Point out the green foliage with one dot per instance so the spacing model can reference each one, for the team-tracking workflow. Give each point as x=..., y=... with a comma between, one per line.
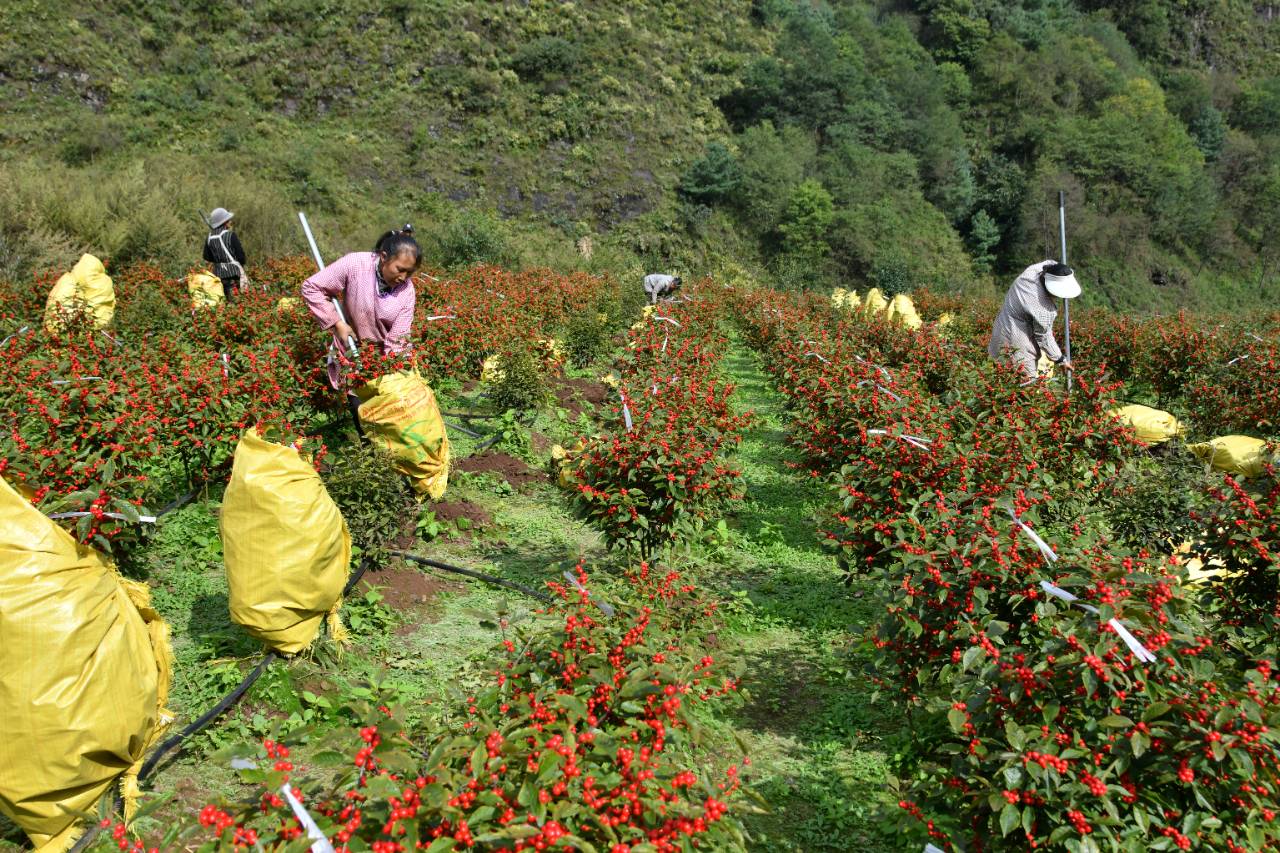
x=808, y=218
x=472, y=237
x=984, y=236
x=520, y=385
x=586, y=338
x=714, y=178
x=548, y=56
x=376, y=502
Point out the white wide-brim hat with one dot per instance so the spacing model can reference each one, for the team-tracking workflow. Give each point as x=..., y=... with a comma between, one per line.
x=1060, y=281
x=220, y=216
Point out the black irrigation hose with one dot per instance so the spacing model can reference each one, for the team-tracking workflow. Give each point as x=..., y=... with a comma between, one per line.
x=462, y=429
x=470, y=416
x=471, y=573
x=493, y=439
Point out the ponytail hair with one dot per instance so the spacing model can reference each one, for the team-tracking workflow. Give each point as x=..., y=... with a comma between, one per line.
x=393, y=243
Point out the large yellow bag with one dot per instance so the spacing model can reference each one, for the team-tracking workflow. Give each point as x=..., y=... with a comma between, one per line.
x=87, y=284
x=400, y=414
x=84, y=676
x=903, y=311
x=874, y=302
x=1234, y=454
x=852, y=301
x=285, y=545
x=1152, y=426
x=205, y=289
x=838, y=297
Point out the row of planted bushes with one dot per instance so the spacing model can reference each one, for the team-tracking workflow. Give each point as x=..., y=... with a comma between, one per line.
x=583, y=739
x=1219, y=372
x=1035, y=723
x=660, y=465
x=117, y=422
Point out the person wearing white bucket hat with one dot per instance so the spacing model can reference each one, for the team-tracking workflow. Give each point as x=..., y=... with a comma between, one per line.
x=222, y=249
x=1023, y=330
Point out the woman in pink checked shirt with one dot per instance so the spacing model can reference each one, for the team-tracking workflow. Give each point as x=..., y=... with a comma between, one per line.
x=376, y=292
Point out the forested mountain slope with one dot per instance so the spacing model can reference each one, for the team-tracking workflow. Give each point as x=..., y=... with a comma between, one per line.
x=902, y=144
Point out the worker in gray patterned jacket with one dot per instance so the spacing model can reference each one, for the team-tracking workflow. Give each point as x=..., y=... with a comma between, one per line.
x=659, y=286
x=1023, y=329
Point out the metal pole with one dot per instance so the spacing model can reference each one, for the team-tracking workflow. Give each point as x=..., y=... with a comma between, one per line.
x=337, y=306
x=1066, y=303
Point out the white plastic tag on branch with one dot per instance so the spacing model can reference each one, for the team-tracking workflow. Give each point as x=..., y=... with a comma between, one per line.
x=885, y=390
x=21, y=331
x=1139, y=651
x=77, y=379
x=914, y=440
x=664, y=342
x=876, y=366
x=435, y=317
x=812, y=354
x=226, y=366
x=143, y=519
x=665, y=320
x=1039, y=543
x=626, y=411
x=605, y=607
x=113, y=340
x=314, y=832
x=1237, y=358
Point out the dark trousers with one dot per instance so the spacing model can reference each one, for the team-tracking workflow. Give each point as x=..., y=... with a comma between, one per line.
x=229, y=286
x=353, y=406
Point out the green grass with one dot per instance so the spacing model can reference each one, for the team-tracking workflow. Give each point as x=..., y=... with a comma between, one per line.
x=816, y=739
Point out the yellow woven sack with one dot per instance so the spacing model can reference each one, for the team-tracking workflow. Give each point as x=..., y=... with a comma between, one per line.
x=84, y=676
x=87, y=283
x=874, y=302
x=400, y=414
x=205, y=289
x=1152, y=426
x=288, y=303
x=838, y=296
x=903, y=310
x=285, y=545
x=1234, y=454
x=852, y=301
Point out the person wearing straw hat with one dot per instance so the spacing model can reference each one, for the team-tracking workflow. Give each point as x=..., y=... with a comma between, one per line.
x=222, y=249
x=1023, y=330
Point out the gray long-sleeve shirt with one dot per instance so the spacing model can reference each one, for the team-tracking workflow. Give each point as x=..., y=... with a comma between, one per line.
x=657, y=284
x=1025, y=322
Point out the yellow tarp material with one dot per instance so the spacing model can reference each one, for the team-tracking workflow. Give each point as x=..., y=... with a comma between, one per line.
x=1152, y=426
x=903, y=311
x=205, y=289
x=285, y=545
x=87, y=284
x=400, y=414
x=84, y=676
x=1234, y=454
x=874, y=302
x=838, y=297
x=288, y=303
x=491, y=371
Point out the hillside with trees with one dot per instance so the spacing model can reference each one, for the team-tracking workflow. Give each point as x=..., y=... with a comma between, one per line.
x=844, y=143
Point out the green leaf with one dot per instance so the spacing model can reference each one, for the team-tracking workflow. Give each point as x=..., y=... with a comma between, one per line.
x=1009, y=818
x=1115, y=721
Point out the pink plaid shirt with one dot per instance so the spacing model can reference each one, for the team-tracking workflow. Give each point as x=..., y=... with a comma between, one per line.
x=386, y=318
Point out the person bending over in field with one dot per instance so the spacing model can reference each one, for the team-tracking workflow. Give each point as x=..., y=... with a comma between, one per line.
x=1023, y=330
x=222, y=249
x=658, y=286
x=376, y=292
